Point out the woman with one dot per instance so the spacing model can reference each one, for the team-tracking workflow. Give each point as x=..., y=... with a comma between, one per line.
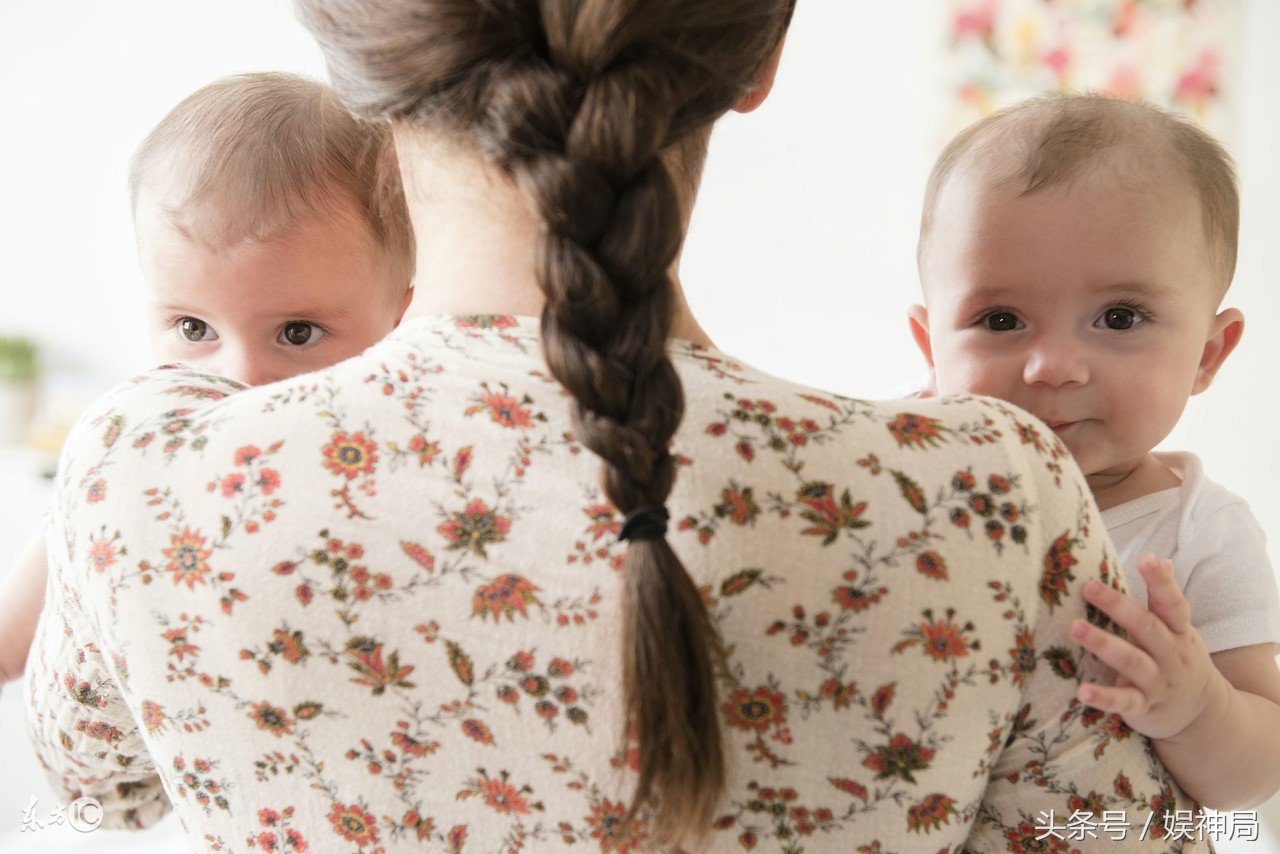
x=502, y=583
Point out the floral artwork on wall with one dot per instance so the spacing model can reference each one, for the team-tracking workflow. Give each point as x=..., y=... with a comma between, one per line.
x=1169, y=52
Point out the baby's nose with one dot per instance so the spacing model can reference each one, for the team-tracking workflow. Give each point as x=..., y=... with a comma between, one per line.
x=1057, y=362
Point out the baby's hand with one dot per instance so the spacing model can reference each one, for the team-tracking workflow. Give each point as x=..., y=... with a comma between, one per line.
x=1166, y=675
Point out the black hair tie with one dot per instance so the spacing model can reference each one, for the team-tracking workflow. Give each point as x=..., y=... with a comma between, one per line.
x=646, y=522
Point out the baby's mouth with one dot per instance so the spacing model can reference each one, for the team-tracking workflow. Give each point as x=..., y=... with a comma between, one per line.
x=1059, y=426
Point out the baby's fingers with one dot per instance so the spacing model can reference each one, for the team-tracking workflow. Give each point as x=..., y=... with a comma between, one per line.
x=1164, y=597
x=1120, y=699
x=1124, y=658
x=1143, y=627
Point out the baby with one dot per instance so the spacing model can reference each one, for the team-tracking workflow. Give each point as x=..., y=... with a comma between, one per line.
x=1073, y=254
x=273, y=239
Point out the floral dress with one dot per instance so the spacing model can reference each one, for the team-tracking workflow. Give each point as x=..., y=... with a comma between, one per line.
x=375, y=608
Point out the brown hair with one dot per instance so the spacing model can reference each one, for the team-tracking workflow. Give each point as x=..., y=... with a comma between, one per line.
x=577, y=100
x=253, y=153
x=1064, y=133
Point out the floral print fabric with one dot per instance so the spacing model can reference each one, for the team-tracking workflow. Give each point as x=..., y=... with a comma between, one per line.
x=376, y=609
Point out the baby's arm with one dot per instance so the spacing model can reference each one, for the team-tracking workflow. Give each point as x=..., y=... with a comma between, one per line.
x=1214, y=719
x=21, y=598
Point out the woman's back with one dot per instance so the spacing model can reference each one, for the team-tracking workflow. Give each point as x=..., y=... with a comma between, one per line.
x=387, y=601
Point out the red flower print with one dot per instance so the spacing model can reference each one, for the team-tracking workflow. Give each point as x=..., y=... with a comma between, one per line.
x=153, y=717
x=353, y=824
x=477, y=731
x=899, y=758
x=102, y=555
x=943, y=640
x=486, y=321
x=932, y=565
x=179, y=646
x=364, y=656
x=1124, y=788
x=849, y=787
x=461, y=462
x=1057, y=570
x=756, y=710
x=1062, y=662
x=426, y=451
x=738, y=506
x=828, y=517
x=502, y=796
x=1029, y=839
x=288, y=645
x=521, y=661
x=840, y=695
x=505, y=597
x=475, y=527
x=560, y=667
x=604, y=522
x=421, y=827
x=419, y=554
x=883, y=697
x=931, y=813
x=268, y=481
x=96, y=491
x=350, y=456
x=410, y=746
x=247, y=454
x=506, y=410
x=232, y=485
x=187, y=558
x=100, y=730
x=1023, y=657
x=273, y=720
x=605, y=822
x=909, y=430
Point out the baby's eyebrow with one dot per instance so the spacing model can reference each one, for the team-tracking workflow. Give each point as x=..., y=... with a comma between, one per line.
x=1142, y=289
x=317, y=312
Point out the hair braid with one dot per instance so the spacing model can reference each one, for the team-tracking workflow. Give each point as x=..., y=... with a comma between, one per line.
x=612, y=230
x=578, y=100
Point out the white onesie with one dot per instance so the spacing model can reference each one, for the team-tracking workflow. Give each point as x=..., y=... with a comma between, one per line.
x=1218, y=549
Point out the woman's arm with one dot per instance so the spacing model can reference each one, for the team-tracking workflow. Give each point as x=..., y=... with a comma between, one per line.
x=21, y=597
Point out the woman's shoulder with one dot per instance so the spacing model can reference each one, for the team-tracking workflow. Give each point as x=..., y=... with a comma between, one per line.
x=726, y=396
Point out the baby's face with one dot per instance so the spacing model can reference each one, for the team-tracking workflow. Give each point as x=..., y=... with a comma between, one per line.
x=260, y=312
x=1091, y=305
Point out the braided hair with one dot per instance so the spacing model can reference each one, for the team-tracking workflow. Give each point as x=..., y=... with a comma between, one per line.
x=578, y=101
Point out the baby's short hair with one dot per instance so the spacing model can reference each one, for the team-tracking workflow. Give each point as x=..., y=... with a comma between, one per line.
x=248, y=156
x=1063, y=134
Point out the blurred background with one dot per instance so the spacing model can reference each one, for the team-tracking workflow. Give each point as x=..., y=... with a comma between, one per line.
x=801, y=258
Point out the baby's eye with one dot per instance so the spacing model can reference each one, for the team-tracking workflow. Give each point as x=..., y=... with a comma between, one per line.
x=1120, y=317
x=299, y=333
x=1001, y=321
x=195, y=329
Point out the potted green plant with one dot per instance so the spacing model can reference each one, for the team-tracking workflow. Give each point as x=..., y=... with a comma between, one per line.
x=19, y=377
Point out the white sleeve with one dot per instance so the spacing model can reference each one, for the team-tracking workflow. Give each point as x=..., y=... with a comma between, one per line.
x=1230, y=583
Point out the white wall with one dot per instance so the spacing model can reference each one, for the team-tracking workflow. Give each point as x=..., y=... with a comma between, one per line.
x=801, y=256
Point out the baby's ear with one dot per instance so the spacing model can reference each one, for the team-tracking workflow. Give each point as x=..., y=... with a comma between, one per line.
x=918, y=319
x=1224, y=335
